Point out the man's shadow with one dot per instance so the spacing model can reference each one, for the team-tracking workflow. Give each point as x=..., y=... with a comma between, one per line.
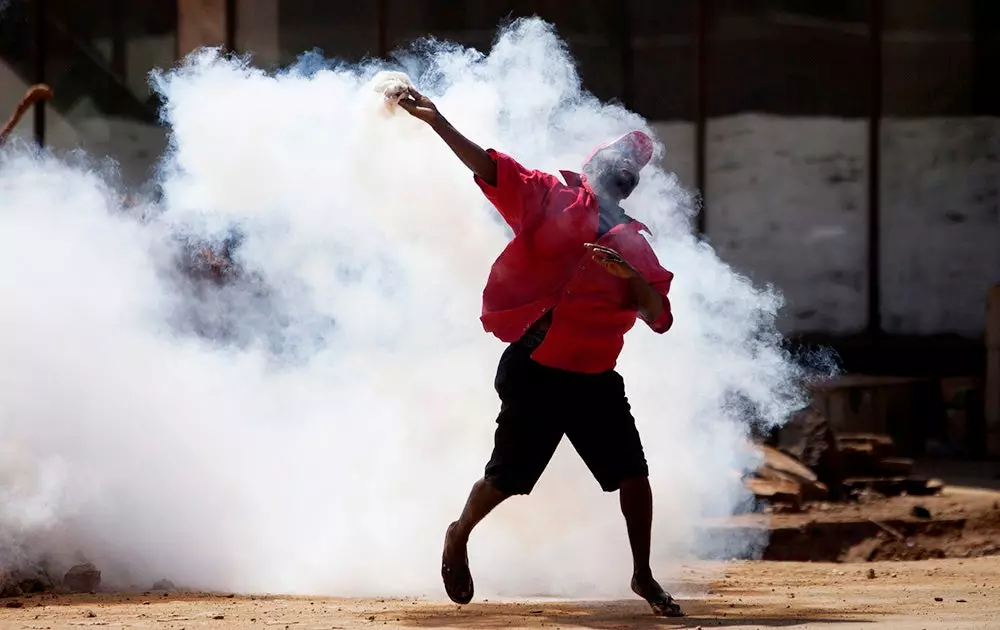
x=615, y=615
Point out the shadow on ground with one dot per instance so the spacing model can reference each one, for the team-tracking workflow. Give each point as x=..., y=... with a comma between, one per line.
x=617, y=614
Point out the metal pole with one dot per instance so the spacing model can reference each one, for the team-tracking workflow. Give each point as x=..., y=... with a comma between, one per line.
x=231, y=25
x=119, y=62
x=382, y=27
x=627, y=67
x=40, y=58
x=875, y=28
x=985, y=20
x=701, y=10
x=992, y=409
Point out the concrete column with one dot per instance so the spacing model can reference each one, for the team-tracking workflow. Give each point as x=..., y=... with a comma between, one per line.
x=257, y=31
x=200, y=23
x=992, y=384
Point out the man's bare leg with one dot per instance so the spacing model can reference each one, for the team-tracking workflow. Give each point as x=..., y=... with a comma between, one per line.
x=636, y=500
x=455, y=560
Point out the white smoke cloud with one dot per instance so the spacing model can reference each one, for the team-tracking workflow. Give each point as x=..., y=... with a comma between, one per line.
x=325, y=442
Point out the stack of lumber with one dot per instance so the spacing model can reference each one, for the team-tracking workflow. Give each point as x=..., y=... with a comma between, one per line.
x=870, y=463
x=843, y=466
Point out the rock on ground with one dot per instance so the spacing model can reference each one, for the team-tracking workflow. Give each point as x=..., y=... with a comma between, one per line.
x=83, y=578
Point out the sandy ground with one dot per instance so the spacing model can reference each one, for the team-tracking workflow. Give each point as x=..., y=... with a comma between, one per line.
x=935, y=594
x=953, y=502
x=946, y=594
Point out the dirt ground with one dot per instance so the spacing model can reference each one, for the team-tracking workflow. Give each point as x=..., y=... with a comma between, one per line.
x=958, y=523
x=933, y=594
x=882, y=579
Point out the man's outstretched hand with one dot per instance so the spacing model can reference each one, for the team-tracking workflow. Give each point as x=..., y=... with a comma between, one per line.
x=472, y=155
x=419, y=106
x=612, y=261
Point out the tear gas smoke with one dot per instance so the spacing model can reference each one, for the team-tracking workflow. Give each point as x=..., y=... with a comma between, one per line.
x=314, y=424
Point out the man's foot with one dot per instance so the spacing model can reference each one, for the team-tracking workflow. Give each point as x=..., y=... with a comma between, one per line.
x=658, y=599
x=455, y=568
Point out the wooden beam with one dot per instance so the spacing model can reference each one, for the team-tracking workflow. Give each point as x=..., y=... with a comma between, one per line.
x=701, y=34
x=119, y=49
x=231, y=14
x=627, y=55
x=992, y=381
x=382, y=27
x=201, y=23
x=874, y=177
x=255, y=30
x=40, y=50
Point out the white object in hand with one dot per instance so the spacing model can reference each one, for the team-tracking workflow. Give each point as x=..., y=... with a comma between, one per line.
x=392, y=86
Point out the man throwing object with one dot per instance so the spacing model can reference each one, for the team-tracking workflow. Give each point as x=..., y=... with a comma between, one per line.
x=563, y=293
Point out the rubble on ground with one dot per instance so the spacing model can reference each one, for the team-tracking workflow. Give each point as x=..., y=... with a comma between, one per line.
x=163, y=585
x=20, y=582
x=809, y=438
x=32, y=579
x=811, y=462
x=83, y=578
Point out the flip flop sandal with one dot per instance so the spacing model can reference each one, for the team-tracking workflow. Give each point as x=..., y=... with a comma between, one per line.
x=457, y=581
x=662, y=603
x=665, y=606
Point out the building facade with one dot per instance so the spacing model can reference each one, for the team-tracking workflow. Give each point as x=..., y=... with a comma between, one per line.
x=848, y=154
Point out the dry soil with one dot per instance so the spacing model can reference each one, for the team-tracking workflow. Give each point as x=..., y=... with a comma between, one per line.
x=932, y=594
x=899, y=590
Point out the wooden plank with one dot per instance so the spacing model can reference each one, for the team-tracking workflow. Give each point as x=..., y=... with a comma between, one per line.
x=876, y=446
x=895, y=466
x=992, y=384
x=776, y=491
x=781, y=467
x=906, y=409
x=793, y=468
x=881, y=440
x=895, y=486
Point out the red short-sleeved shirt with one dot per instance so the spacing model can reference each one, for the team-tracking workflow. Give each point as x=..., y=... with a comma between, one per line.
x=546, y=267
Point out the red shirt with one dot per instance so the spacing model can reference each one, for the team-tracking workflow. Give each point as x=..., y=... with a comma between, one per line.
x=546, y=266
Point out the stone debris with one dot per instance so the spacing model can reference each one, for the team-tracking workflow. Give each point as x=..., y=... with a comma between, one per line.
x=163, y=585
x=83, y=578
x=809, y=462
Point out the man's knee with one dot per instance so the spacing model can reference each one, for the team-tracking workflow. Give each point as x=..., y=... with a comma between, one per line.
x=509, y=485
x=626, y=483
x=636, y=482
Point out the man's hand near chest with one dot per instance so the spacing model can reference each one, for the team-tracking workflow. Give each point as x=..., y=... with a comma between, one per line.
x=648, y=300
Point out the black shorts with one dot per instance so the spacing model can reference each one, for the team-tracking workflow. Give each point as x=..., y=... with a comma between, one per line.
x=539, y=404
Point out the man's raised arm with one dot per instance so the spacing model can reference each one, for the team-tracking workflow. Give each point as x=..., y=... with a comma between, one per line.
x=472, y=155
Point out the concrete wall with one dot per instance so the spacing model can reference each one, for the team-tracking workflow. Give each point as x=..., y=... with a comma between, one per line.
x=941, y=225
x=786, y=204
